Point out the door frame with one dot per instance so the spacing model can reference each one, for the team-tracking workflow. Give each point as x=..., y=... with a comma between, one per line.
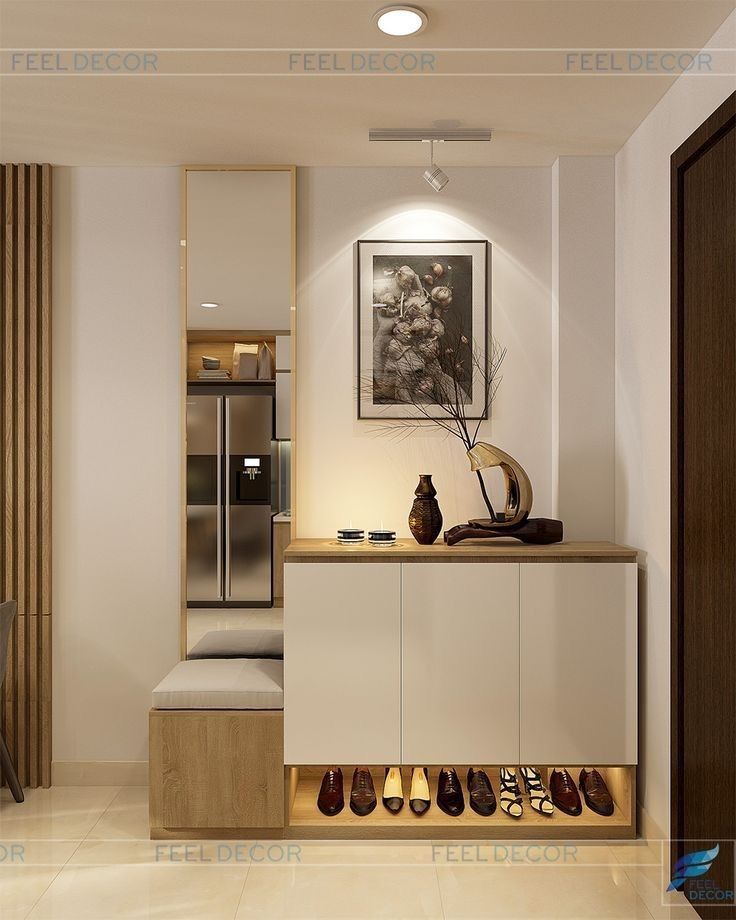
x=703, y=138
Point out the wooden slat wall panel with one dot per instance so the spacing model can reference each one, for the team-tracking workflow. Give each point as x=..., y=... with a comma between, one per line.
x=25, y=463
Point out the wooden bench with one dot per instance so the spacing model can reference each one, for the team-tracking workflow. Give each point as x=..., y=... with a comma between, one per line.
x=216, y=765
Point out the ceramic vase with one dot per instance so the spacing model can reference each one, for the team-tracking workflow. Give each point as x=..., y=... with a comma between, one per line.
x=425, y=517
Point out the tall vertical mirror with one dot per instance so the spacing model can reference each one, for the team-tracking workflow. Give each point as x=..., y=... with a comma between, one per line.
x=238, y=307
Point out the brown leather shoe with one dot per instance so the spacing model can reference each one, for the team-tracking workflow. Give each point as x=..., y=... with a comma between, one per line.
x=363, y=794
x=564, y=794
x=450, y=793
x=330, y=800
x=595, y=792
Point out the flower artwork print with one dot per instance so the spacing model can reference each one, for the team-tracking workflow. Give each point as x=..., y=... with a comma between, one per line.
x=423, y=327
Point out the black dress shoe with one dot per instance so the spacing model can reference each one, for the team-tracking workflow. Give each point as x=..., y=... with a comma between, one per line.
x=363, y=794
x=450, y=793
x=481, y=796
x=330, y=800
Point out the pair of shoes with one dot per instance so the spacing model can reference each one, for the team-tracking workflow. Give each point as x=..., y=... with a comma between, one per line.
x=331, y=800
x=450, y=796
x=592, y=785
x=393, y=790
x=511, y=801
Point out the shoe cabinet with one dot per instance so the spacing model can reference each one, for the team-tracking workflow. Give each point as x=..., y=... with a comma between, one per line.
x=498, y=655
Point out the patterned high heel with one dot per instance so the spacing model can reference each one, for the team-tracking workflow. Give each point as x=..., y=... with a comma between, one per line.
x=510, y=797
x=538, y=796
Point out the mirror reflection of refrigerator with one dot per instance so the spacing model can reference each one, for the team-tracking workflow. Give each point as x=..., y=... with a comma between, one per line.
x=229, y=499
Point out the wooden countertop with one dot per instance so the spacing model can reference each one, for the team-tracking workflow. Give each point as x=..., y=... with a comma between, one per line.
x=508, y=550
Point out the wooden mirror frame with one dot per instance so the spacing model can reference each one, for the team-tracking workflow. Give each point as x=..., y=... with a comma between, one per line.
x=183, y=355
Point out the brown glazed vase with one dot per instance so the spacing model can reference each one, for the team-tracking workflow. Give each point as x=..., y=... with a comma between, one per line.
x=425, y=517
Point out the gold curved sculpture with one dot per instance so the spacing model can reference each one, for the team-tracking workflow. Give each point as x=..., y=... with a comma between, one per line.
x=519, y=493
x=514, y=520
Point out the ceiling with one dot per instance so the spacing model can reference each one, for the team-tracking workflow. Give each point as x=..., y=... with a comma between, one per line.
x=232, y=84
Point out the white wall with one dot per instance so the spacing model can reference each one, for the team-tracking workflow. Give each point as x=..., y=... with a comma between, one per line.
x=115, y=431
x=643, y=390
x=345, y=471
x=115, y=456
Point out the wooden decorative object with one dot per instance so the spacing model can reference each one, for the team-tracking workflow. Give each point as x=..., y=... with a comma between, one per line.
x=25, y=472
x=533, y=530
x=425, y=518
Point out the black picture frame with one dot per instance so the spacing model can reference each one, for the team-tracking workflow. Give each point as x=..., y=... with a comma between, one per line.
x=473, y=279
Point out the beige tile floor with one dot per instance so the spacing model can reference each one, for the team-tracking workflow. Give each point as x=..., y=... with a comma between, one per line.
x=83, y=853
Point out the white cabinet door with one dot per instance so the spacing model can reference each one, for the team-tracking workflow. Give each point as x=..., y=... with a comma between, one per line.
x=460, y=677
x=578, y=663
x=342, y=663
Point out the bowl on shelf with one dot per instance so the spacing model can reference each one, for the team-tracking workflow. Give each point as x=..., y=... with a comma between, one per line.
x=210, y=364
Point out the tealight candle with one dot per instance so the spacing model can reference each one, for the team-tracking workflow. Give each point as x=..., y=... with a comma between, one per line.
x=382, y=537
x=349, y=535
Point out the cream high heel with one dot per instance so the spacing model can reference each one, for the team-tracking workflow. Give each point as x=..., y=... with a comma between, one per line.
x=419, y=797
x=393, y=791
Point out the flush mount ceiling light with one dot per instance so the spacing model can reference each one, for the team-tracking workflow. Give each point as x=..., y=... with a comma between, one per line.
x=209, y=305
x=436, y=177
x=400, y=20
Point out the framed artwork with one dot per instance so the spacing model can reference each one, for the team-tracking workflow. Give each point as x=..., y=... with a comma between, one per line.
x=423, y=326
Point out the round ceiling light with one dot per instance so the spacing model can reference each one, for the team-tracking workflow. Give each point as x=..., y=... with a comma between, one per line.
x=401, y=20
x=209, y=304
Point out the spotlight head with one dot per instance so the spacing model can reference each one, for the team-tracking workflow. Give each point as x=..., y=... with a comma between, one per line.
x=436, y=178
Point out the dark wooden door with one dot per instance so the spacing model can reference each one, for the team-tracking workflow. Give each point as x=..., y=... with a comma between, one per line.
x=704, y=505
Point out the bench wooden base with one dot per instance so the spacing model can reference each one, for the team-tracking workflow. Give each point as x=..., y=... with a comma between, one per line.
x=216, y=773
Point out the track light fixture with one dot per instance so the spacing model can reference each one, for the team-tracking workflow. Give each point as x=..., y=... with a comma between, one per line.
x=434, y=175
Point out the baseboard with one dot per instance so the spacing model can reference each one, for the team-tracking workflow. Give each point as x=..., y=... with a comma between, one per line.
x=648, y=827
x=99, y=773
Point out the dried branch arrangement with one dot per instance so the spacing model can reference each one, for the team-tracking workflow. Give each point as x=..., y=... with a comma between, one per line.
x=460, y=366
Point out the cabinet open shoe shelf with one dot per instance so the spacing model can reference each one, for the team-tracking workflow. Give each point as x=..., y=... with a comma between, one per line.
x=304, y=819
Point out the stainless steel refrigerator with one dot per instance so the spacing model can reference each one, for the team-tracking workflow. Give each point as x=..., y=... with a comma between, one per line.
x=229, y=498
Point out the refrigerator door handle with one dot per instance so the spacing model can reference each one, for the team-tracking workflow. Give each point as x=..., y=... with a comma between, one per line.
x=220, y=586
x=226, y=586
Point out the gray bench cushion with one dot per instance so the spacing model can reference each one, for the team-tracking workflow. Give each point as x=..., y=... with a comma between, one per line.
x=240, y=643
x=233, y=683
